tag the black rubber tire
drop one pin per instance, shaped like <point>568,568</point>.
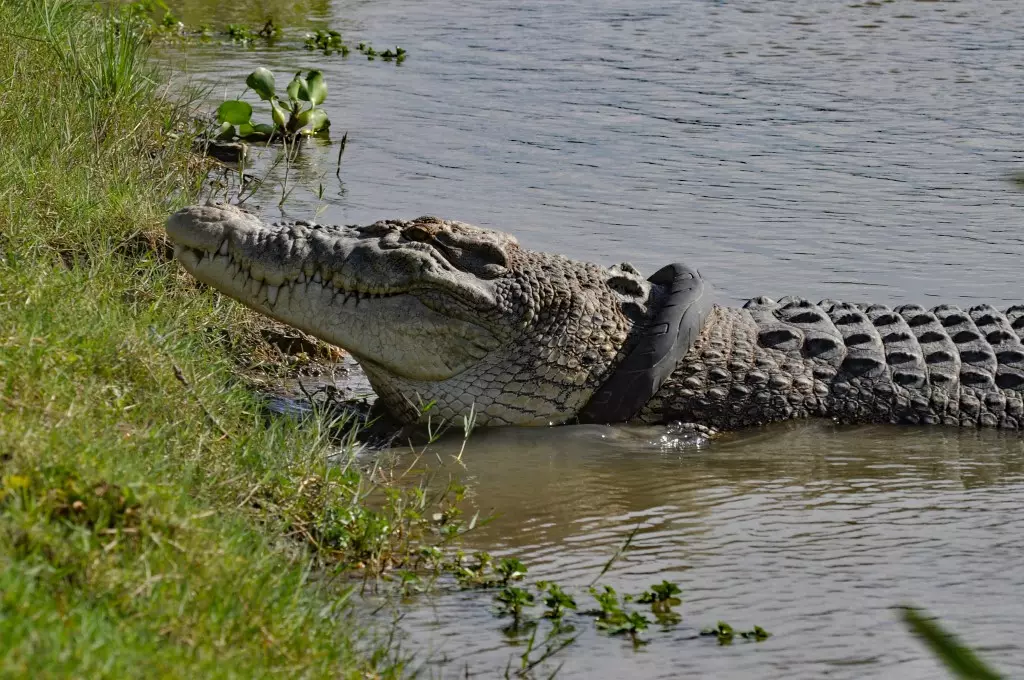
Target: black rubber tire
<point>665,341</point>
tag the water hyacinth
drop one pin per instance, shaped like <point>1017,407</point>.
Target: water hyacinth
<point>299,114</point>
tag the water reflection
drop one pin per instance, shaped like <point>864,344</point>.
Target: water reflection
<point>252,12</point>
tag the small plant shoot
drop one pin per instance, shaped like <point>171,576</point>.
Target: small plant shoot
<point>512,600</point>
<point>726,634</point>
<point>510,569</point>
<point>556,600</point>
<point>662,597</point>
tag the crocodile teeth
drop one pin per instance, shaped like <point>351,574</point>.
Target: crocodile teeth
<point>272,294</point>
<point>301,278</point>
<point>316,278</point>
<point>223,250</point>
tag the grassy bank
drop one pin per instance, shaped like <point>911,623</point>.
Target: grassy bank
<point>152,521</point>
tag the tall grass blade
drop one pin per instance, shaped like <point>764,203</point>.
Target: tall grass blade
<point>961,661</point>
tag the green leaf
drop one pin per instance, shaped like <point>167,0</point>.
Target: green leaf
<point>317,87</point>
<point>298,89</point>
<point>258,131</point>
<point>225,131</point>
<point>234,111</point>
<point>312,121</point>
<point>262,83</point>
<point>279,114</point>
<point>961,661</point>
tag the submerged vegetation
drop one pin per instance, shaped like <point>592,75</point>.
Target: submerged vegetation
<point>399,54</point>
<point>154,20</point>
<point>328,41</point>
<point>243,35</point>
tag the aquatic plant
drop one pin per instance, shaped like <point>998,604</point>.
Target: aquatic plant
<point>607,601</point>
<point>473,575</point>
<point>240,34</point>
<point>510,569</point>
<point>756,633</point>
<point>512,600</point>
<point>557,601</point>
<point>398,54</point>
<point>147,19</point>
<point>614,620</point>
<point>721,630</point>
<point>555,640</point>
<point>299,115</point>
<point>153,20</point>
<point>726,633</point>
<point>329,41</point>
<point>630,625</point>
<point>662,597</point>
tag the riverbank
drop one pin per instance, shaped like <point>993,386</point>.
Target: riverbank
<point>153,521</point>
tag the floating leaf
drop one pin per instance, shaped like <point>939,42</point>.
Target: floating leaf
<point>312,121</point>
<point>317,87</point>
<point>756,633</point>
<point>234,111</point>
<point>298,89</point>
<point>258,131</point>
<point>262,83</point>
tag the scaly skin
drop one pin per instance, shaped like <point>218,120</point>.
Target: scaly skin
<point>434,311</point>
<point>446,313</point>
<point>855,363</point>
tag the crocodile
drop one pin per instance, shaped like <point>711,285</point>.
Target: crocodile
<point>451,320</point>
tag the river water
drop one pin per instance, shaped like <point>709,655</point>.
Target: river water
<point>856,150</point>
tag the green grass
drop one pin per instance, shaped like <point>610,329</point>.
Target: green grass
<point>959,659</point>
<point>153,521</point>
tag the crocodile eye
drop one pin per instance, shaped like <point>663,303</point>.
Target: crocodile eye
<point>415,233</point>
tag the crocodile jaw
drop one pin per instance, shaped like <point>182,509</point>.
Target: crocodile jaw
<point>430,347</point>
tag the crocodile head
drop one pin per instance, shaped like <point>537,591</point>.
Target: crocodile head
<point>436,312</point>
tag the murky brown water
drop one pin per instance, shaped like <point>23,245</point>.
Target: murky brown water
<point>813,531</point>
<point>856,150</point>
